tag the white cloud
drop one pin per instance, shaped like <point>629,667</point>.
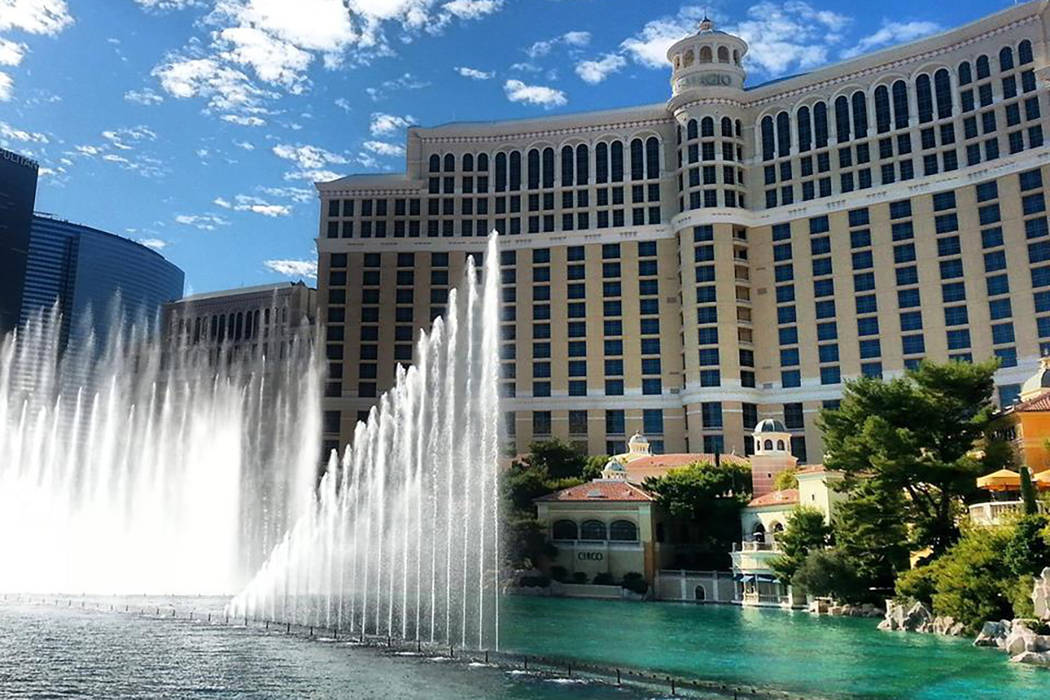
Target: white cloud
<point>296,194</point>
<point>594,72</point>
<point>273,60</point>
<point>293,268</point>
<point>204,222</point>
<point>384,149</point>
<point>9,133</point>
<point>127,138</point>
<point>308,157</point>
<point>649,46</point>
<point>242,120</point>
<point>246,145</point>
<point>542,48</point>
<point>167,4</point>
<point>407,81</point>
<point>383,124</point>
<point>226,89</point>
<point>243,202</point>
<point>143,97</point>
<point>154,243</point>
<point>344,104</point>
<point>312,175</point>
<point>892,33</point>
<point>518,91</point>
<point>474,73</point>
<point>472,9</point>
<point>48,17</point>
<point>11,52</point>
<point>789,36</point>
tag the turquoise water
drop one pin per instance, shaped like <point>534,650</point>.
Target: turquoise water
<point>795,652</point>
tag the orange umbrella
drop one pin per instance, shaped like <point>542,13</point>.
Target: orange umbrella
<point>1042,480</point>
<point>1002,480</point>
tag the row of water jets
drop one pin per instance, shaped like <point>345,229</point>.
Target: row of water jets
<point>130,467</point>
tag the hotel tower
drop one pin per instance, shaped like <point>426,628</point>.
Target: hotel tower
<point>687,268</point>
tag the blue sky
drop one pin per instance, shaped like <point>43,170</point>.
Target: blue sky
<point>198,126</point>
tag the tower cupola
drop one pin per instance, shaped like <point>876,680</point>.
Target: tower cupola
<point>707,62</point>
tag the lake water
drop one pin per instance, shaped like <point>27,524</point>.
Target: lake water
<point>54,651</point>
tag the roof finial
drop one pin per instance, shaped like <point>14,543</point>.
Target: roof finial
<point>706,25</point>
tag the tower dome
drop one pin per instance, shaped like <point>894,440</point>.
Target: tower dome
<point>638,446</point>
<point>770,425</point>
<point>707,63</point>
<point>1039,383</point>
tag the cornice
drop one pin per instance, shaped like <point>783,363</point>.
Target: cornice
<point>546,133</point>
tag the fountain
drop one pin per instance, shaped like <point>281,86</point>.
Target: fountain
<point>402,539</point>
<point>129,467</point>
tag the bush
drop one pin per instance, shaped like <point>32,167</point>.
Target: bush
<point>1028,550</point>
<point>579,577</point>
<point>534,582</point>
<point>635,583</point>
<point>604,579</point>
<point>829,573</point>
<point>918,584</point>
<point>559,574</point>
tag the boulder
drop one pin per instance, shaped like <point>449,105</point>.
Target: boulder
<point>918,618</point>
<point>1035,658</point>
<point>993,634</point>
<point>1041,595</point>
<point>1020,639</point>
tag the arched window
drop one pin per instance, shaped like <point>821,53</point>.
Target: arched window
<point>769,148</point>
<point>692,130</point>
<point>1006,58</point>
<point>515,170</point>
<point>548,167</point>
<point>450,163</point>
<point>623,531</point>
<point>983,70</point>
<point>705,54</point>
<point>778,527</point>
<point>900,104</point>
<point>768,444</point>
<point>736,57</point>
<point>652,158</point>
<point>616,155</point>
<point>601,162</point>
<point>780,444</point>
<point>860,115</point>
<point>739,129</point>
<point>592,530</point>
<point>1024,52</point>
<point>726,127</point>
<point>723,54</point>
<point>882,109</point>
<point>582,164</point>
<point>942,84</point>
<point>566,166</point>
<point>564,530</point>
<point>501,172</point>
<point>435,163</point>
<point>468,162</point>
<point>483,162</point>
<point>805,131</point>
<point>248,326</point>
<point>820,125</point>
<point>699,593</point>
<point>637,160</point>
<point>688,60</point>
<point>965,76</point>
<point>533,176</point>
<point>783,135</point>
<point>758,532</point>
<point>924,98</point>
<point>842,119</point>
<point>707,127</point>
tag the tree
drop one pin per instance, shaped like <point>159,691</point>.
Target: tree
<point>829,572</point>
<point>915,435</point>
<point>1028,492</point>
<point>973,582</point>
<point>708,500</point>
<point>594,466</point>
<point>805,531</point>
<point>1028,549</point>
<point>786,479</point>
<point>559,458</point>
<point>870,534</point>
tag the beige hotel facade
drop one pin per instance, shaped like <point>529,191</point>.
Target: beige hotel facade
<point>687,268</point>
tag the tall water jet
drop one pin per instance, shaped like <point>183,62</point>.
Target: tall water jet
<point>402,540</point>
<point>130,467</point>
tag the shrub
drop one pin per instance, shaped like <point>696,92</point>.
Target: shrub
<point>918,584</point>
<point>579,577</point>
<point>829,573</point>
<point>635,583</point>
<point>1028,550</point>
<point>534,582</point>
<point>604,579</point>
<point>559,574</point>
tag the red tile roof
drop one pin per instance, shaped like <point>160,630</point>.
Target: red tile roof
<point>1039,403</point>
<point>811,469</point>
<point>600,490</point>
<point>775,498</point>
<point>658,465</point>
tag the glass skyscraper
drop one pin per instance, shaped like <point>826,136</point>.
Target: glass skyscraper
<point>18,176</point>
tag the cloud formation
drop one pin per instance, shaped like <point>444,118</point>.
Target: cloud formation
<point>293,268</point>
<point>204,222</point>
<point>596,71</point>
<point>892,33</point>
<point>256,205</point>
<point>383,124</point>
<point>44,17</point>
<point>474,73</point>
<point>548,97</point>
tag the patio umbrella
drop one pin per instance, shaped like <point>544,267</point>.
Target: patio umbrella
<point>1042,480</point>
<point>1002,480</point>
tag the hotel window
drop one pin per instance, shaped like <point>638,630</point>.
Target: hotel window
<point>541,422</point>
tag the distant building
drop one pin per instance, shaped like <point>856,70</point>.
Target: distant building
<point>18,176</point>
<point>260,320</point>
<point>85,271</point>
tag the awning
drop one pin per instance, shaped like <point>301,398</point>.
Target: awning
<point>764,578</point>
<point>1042,479</point>
<point>1002,480</point>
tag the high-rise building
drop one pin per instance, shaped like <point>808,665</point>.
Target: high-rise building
<point>86,271</point>
<point>18,176</point>
<point>686,268</point>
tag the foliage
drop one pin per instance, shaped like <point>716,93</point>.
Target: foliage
<point>594,466</point>
<point>1028,492</point>
<point>604,579</point>
<point>559,574</point>
<point>579,577</point>
<point>534,581</point>
<point>870,534</point>
<point>526,540</point>
<point>973,581</point>
<point>805,531</point>
<point>560,458</point>
<point>635,582</point>
<point>915,434</point>
<point>1028,549</point>
<point>919,583</point>
<point>707,499</point>
<point>829,572</point>
<point>786,479</point>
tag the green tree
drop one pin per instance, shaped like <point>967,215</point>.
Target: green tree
<point>829,572</point>
<point>707,500</point>
<point>1028,549</point>
<point>871,535</point>
<point>558,457</point>
<point>594,466</point>
<point>526,540</point>
<point>973,581</point>
<point>1028,492</point>
<point>786,479</point>
<point>805,531</point>
<point>915,435</point>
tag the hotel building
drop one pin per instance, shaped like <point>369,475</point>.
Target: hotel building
<point>686,268</point>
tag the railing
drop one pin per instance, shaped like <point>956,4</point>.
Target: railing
<point>764,598</point>
<point>753,546</point>
<point>993,512</point>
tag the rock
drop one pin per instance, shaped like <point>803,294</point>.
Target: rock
<point>993,634</point>
<point>887,625</point>
<point>1035,658</point>
<point>1041,595</point>
<point>1019,640</point>
<point>956,630</point>
<point>918,618</point>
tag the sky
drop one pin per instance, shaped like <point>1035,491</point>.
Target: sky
<point>197,127</point>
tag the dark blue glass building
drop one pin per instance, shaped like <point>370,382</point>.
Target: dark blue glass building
<point>18,176</point>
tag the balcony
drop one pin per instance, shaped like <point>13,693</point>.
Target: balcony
<point>997,512</point>
<point>755,546</point>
